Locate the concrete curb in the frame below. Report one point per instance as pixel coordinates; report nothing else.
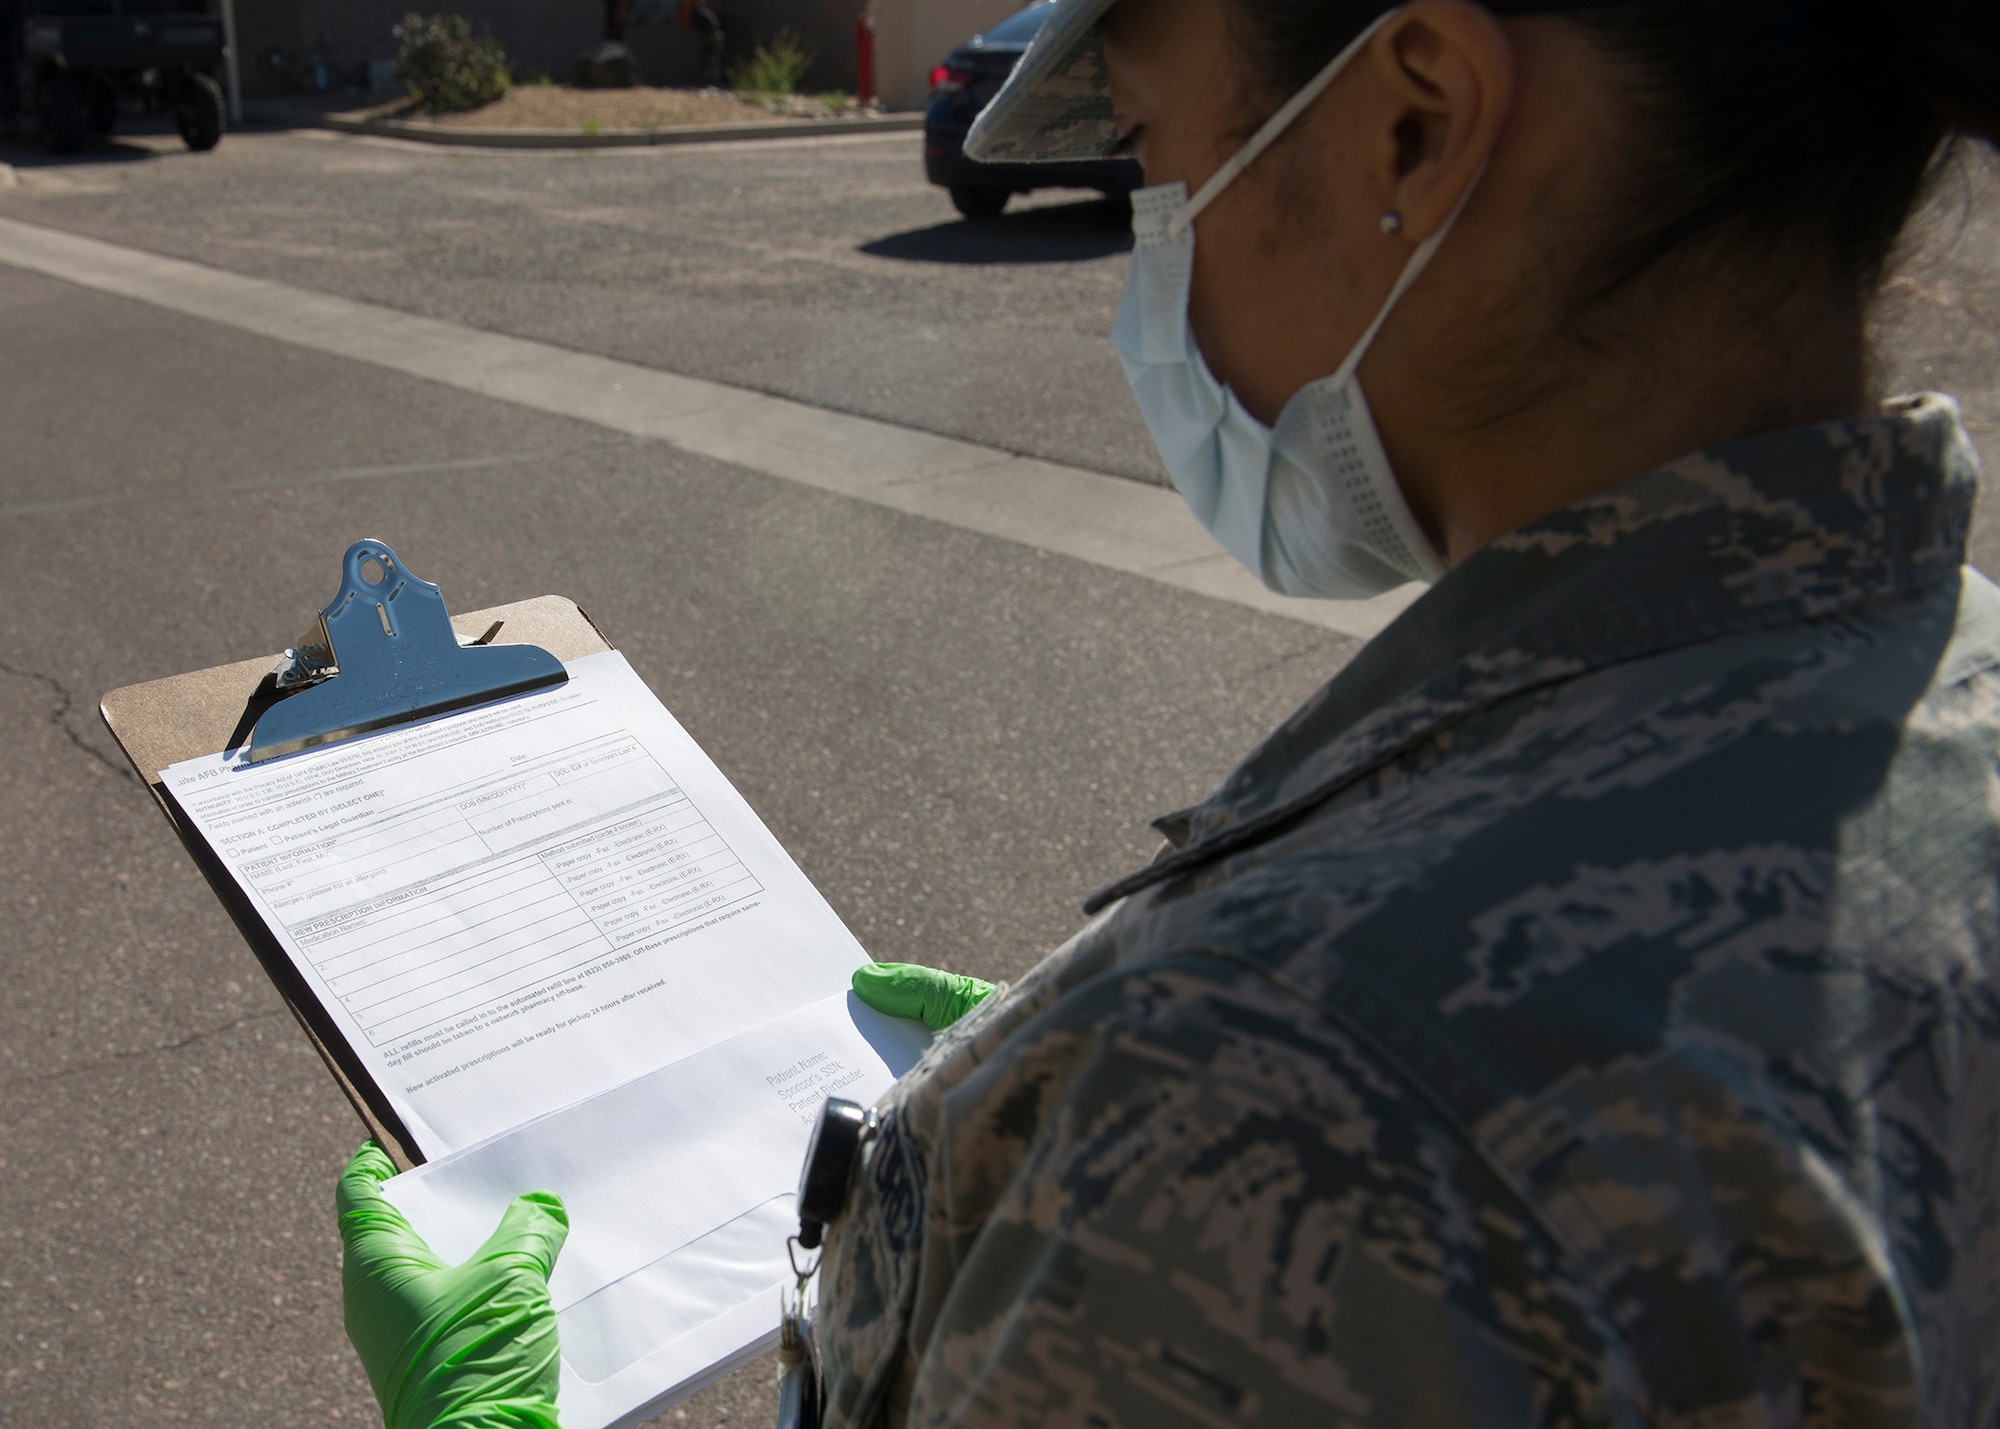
(575, 139)
(1110, 521)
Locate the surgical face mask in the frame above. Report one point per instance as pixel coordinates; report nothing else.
(1312, 505)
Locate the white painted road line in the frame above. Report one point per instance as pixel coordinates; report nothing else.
(1108, 521)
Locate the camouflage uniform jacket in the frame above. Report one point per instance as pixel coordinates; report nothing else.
(1582, 1012)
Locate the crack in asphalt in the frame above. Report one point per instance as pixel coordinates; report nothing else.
(178, 1044)
(1316, 647)
(59, 717)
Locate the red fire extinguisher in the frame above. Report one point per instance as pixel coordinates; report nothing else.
(864, 57)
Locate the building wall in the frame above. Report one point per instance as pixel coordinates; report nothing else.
(540, 37)
(827, 24)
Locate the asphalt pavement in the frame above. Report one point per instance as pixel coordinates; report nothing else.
(957, 736)
(821, 269)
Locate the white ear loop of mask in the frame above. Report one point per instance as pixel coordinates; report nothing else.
(1277, 124)
(1268, 133)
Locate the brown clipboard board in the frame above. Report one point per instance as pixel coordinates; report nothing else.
(162, 722)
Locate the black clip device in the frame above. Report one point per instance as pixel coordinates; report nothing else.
(836, 1141)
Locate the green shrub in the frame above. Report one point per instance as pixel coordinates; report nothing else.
(778, 65)
(445, 66)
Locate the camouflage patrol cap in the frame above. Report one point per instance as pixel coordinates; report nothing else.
(1057, 102)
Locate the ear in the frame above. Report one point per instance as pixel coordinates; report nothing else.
(1448, 66)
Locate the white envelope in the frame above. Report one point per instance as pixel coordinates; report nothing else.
(679, 1188)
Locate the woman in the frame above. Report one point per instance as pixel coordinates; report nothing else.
(1583, 1011)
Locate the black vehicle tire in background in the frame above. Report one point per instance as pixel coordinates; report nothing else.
(979, 201)
(59, 110)
(199, 112)
(101, 107)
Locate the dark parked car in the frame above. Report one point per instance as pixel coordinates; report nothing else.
(962, 86)
(80, 60)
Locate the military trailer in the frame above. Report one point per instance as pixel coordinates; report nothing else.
(77, 63)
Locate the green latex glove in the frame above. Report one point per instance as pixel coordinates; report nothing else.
(471, 1346)
(933, 997)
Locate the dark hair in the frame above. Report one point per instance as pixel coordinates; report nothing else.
(1799, 121)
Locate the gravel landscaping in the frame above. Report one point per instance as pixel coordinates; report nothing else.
(557, 106)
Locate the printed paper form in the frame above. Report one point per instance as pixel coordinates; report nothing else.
(515, 907)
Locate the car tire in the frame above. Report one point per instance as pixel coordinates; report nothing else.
(979, 201)
(199, 112)
(59, 109)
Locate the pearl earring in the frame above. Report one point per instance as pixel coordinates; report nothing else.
(1392, 222)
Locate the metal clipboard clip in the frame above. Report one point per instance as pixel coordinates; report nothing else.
(384, 653)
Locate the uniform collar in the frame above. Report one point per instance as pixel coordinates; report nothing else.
(1763, 531)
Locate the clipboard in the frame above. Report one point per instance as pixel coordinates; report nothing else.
(403, 657)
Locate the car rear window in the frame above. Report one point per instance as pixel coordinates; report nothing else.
(1018, 29)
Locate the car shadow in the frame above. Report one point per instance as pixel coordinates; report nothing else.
(31, 154)
(1058, 233)
(23, 149)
